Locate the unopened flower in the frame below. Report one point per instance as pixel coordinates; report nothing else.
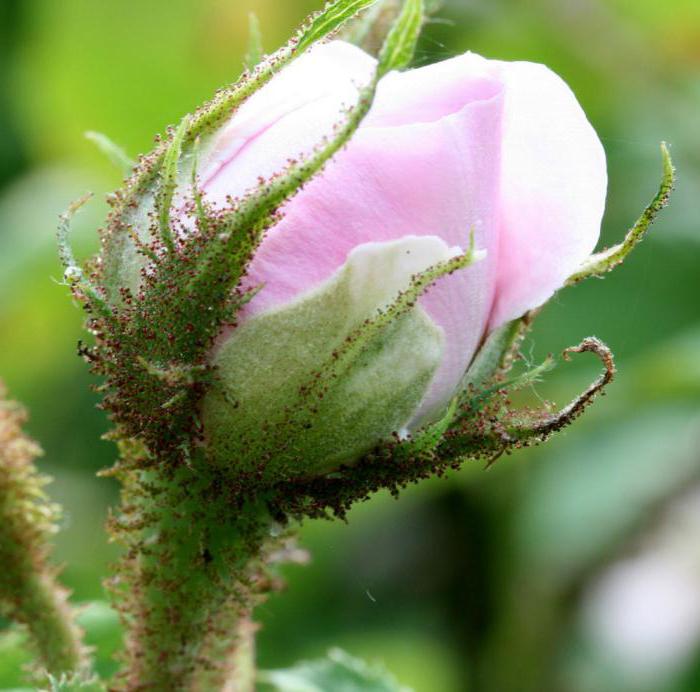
(312, 289)
(324, 257)
(467, 146)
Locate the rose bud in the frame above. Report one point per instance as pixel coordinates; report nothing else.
(312, 289)
(499, 150)
(331, 255)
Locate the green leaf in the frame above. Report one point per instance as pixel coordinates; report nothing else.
(255, 45)
(338, 672)
(400, 44)
(603, 262)
(112, 151)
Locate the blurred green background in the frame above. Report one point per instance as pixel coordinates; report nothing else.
(574, 567)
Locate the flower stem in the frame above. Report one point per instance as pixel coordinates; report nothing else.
(235, 651)
(189, 579)
(242, 675)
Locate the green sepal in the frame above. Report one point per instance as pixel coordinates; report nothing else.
(400, 44)
(338, 671)
(428, 438)
(480, 398)
(333, 16)
(168, 183)
(484, 380)
(73, 275)
(504, 429)
(369, 30)
(112, 151)
(318, 382)
(132, 205)
(241, 229)
(603, 262)
(255, 43)
(201, 208)
(495, 356)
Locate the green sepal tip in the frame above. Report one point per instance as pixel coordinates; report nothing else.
(112, 151)
(400, 44)
(603, 262)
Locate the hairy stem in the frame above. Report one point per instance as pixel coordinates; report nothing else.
(42, 606)
(192, 573)
(242, 676)
(233, 645)
(29, 591)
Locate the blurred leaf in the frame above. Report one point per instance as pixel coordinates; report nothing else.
(585, 496)
(668, 372)
(75, 683)
(103, 632)
(13, 658)
(339, 672)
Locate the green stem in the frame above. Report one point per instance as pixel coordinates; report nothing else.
(189, 581)
(242, 675)
(42, 606)
(29, 591)
(234, 648)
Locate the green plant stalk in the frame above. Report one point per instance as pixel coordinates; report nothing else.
(42, 606)
(190, 574)
(236, 649)
(29, 591)
(243, 673)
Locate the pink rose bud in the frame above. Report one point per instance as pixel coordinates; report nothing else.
(310, 290)
(469, 145)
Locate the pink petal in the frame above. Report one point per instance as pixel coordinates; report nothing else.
(288, 117)
(502, 149)
(424, 163)
(553, 188)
